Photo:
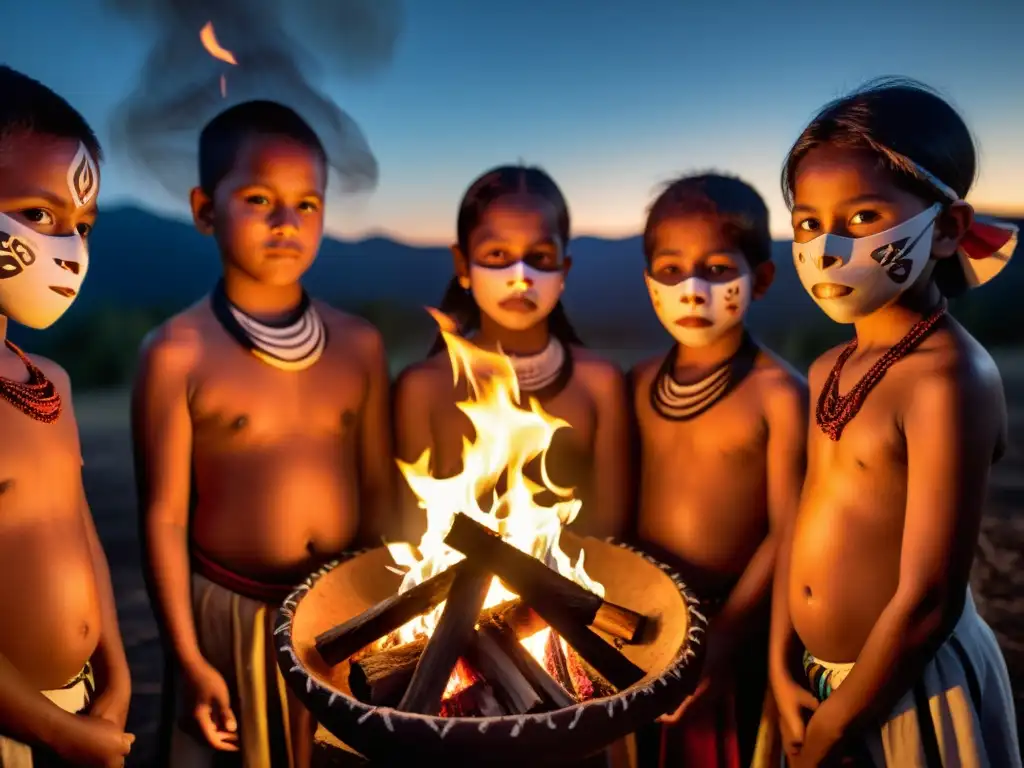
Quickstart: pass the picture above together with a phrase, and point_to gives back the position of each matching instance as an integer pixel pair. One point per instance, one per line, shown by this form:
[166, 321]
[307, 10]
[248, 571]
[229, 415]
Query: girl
[510, 266]
[909, 418]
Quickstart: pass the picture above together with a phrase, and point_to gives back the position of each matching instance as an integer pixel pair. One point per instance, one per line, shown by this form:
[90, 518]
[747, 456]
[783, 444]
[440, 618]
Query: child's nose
[693, 299]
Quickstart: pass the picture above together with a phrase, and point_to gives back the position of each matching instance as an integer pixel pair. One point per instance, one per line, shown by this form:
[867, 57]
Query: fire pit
[499, 637]
[668, 652]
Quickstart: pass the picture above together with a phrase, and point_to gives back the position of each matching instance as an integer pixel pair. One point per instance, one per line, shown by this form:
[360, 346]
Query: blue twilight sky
[612, 97]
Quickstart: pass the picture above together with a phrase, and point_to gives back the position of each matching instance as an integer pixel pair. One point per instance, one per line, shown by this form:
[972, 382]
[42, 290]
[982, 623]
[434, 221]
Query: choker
[682, 402]
[546, 373]
[292, 344]
[37, 398]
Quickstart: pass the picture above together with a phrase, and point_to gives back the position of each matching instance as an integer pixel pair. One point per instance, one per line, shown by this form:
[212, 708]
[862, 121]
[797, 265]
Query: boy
[909, 418]
[722, 429]
[64, 680]
[273, 408]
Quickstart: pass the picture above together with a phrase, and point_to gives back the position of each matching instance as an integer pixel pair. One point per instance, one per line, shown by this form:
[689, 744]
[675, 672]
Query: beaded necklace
[37, 398]
[834, 412]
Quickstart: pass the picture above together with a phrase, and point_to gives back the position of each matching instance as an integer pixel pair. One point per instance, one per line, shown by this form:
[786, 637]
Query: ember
[208, 37]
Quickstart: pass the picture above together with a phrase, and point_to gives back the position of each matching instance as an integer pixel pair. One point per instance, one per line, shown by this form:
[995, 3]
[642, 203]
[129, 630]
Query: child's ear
[202, 211]
[764, 276]
[461, 266]
[566, 264]
[950, 227]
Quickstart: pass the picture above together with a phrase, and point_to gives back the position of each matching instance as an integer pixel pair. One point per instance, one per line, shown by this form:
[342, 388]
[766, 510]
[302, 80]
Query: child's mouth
[518, 304]
[693, 322]
[830, 290]
[67, 293]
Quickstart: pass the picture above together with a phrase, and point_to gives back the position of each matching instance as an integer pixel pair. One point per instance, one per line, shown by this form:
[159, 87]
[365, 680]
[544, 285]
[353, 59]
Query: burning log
[532, 579]
[477, 700]
[381, 677]
[337, 644]
[448, 641]
[554, 659]
[545, 591]
[500, 670]
[552, 693]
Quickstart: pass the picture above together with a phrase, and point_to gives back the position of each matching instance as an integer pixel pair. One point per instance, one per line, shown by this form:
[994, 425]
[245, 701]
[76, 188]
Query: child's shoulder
[777, 374]
[356, 331]
[425, 378]
[178, 340]
[601, 376]
[642, 373]
[54, 372]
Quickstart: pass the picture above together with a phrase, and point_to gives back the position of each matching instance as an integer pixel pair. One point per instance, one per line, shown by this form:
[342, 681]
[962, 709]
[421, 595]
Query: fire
[508, 437]
[208, 37]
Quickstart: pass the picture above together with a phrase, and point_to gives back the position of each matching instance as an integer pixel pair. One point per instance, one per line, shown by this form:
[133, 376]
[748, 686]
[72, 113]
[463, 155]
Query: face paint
[40, 275]
[695, 311]
[83, 177]
[849, 278]
[493, 287]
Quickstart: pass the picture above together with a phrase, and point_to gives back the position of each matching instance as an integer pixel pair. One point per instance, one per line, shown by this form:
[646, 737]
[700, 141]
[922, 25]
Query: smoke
[279, 55]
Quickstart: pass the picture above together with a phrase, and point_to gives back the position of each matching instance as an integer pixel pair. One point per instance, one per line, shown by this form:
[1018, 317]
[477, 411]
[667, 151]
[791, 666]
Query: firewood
[545, 591]
[587, 682]
[448, 641]
[337, 644]
[381, 677]
[554, 659]
[530, 577]
[477, 700]
[553, 694]
[510, 686]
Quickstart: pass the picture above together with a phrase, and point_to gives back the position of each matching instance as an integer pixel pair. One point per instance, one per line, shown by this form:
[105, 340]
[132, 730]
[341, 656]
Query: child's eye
[257, 199]
[309, 206]
[717, 270]
[38, 216]
[864, 217]
[808, 225]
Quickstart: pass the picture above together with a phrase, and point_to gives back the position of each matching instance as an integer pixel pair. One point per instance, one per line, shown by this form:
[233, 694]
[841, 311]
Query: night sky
[610, 97]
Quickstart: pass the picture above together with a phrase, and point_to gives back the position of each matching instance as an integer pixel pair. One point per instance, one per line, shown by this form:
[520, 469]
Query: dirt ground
[998, 577]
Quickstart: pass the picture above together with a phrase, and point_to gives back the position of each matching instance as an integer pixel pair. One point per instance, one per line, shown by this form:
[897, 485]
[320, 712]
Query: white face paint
[83, 177]
[696, 311]
[491, 287]
[850, 278]
[40, 275]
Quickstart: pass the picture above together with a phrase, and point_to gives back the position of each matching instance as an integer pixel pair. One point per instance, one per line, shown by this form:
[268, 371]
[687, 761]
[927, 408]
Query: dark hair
[225, 134]
[496, 183]
[898, 119]
[28, 106]
[738, 207]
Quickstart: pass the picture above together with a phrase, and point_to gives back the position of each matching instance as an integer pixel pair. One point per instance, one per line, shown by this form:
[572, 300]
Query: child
[722, 430]
[909, 417]
[272, 408]
[64, 680]
[510, 268]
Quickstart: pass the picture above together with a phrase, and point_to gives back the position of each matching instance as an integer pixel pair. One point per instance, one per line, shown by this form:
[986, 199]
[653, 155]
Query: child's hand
[93, 742]
[715, 680]
[211, 707]
[792, 700]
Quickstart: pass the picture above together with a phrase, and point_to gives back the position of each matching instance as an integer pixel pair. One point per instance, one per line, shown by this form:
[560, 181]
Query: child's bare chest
[246, 396]
[40, 464]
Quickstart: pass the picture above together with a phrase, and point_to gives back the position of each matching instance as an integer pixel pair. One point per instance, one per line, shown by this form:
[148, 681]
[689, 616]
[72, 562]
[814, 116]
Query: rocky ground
[998, 576]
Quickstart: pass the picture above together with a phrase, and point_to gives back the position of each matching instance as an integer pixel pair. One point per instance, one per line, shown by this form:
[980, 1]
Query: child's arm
[949, 442]
[110, 662]
[30, 718]
[613, 467]
[786, 417]
[377, 514]
[162, 437]
[413, 404]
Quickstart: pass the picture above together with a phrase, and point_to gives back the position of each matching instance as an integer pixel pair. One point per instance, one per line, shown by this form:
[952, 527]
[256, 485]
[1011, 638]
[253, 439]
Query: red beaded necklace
[36, 398]
[834, 412]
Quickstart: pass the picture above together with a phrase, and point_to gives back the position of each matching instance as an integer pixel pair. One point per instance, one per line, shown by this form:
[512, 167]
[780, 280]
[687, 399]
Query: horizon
[611, 108]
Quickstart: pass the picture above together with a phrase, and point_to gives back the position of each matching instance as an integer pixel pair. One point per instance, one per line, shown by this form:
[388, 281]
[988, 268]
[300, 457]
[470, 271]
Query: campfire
[492, 619]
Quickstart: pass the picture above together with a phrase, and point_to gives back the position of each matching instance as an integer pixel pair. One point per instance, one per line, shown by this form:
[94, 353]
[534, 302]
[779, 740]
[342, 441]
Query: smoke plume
[281, 47]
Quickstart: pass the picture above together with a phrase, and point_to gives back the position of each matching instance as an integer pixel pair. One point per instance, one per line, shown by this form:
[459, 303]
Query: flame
[508, 437]
[209, 40]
